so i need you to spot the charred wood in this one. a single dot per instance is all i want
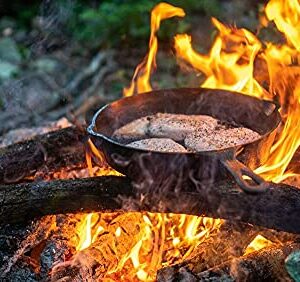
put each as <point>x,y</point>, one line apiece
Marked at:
<point>229,243</point>
<point>30,200</point>
<point>48,152</point>
<point>105,252</point>
<point>267,264</point>
<point>278,208</point>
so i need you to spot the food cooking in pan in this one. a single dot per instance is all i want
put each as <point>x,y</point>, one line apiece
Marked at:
<point>167,132</point>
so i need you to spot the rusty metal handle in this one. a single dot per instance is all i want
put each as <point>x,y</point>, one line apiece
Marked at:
<point>238,169</point>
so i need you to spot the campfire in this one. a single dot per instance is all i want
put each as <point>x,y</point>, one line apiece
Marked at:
<point>93,223</point>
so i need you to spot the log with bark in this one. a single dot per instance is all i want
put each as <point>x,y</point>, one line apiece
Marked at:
<point>48,152</point>
<point>278,208</point>
<point>267,264</point>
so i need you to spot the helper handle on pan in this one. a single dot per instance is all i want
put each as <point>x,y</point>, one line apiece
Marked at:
<point>238,169</point>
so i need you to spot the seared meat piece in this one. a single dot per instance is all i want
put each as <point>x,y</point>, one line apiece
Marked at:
<point>177,127</point>
<point>132,131</point>
<point>164,125</point>
<point>199,132</point>
<point>220,139</point>
<point>158,144</point>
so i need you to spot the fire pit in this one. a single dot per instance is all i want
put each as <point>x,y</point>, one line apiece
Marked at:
<point>66,215</point>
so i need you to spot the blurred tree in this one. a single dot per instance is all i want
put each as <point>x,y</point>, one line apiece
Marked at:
<point>118,22</point>
<point>107,22</point>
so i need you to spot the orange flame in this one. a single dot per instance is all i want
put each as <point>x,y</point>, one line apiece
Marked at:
<point>164,238</point>
<point>285,82</point>
<point>288,142</point>
<point>230,65</point>
<point>141,78</point>
<point>286,15</point>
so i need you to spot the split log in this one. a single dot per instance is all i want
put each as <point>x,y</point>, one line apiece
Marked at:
<point>267,264</point>
<point>48,152</point>
<point>278,208</point>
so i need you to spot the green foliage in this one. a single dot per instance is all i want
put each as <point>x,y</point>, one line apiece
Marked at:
<point>21,12</point>
<point>118,22</point>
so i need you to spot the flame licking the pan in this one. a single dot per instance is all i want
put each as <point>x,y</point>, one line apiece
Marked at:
<point>230,65</point>
<point>163,239</point>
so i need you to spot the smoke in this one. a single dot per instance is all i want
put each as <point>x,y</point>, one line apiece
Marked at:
<point>163,183</point>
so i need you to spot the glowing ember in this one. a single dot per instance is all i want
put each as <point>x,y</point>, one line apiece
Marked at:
<point>160,239</point>
<point>164,239</point>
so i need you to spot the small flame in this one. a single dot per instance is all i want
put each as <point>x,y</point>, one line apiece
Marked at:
<point>103,167</point>
<point>258,243</point>
<point>87,237</point>
<point>141,78</point>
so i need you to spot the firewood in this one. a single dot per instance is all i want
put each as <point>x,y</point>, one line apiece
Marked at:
<point>21,202</point>
<point>229,243</point>
<point>106,251</point>
<point>267,264</point>
<point>278,208</point>
<point>49,152</point>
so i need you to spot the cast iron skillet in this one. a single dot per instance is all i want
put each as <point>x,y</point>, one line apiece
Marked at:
<point>259,115</point>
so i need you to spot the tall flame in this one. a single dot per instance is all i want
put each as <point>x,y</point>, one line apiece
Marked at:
<point>141,78</point>
<point>285,82</point>
<point>286,15</point>
<point>231,65</point>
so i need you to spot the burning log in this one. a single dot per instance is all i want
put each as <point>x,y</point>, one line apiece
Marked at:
<point>229,242</point>
<point>266,264</point>
<point>278,208</point>
<point>106,252</point>
<point>48,152</point>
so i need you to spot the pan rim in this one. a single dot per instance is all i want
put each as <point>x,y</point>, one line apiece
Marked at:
<point>91,127</point>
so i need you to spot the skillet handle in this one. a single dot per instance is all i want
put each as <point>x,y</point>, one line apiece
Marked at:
<point>238,169</point>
